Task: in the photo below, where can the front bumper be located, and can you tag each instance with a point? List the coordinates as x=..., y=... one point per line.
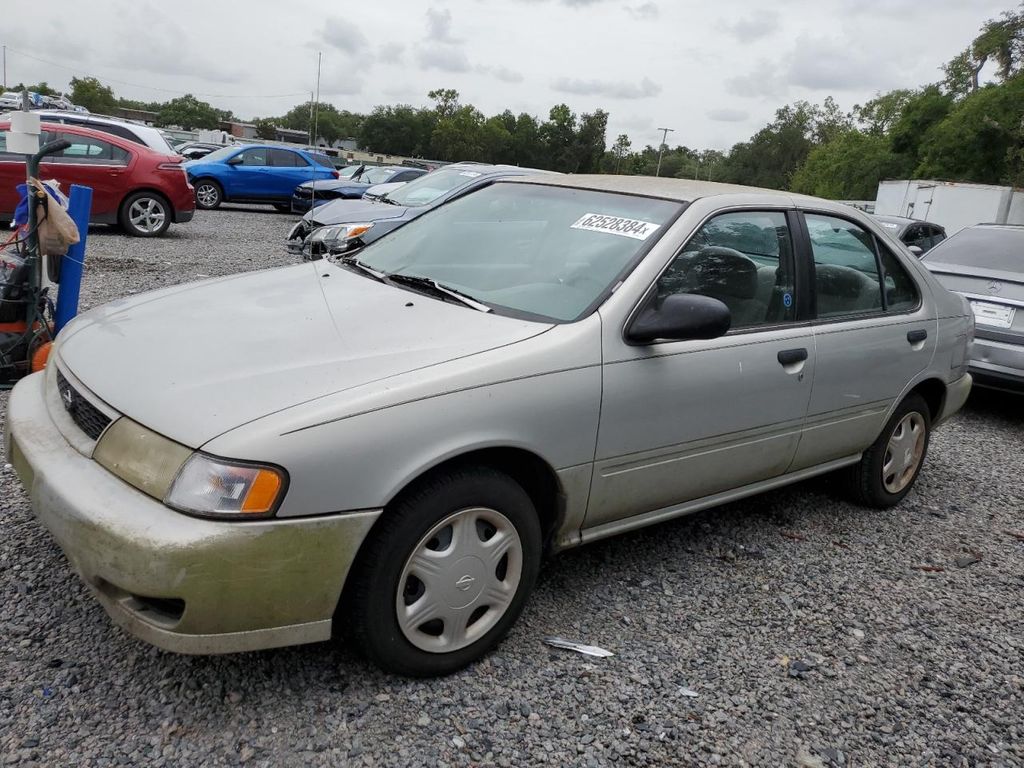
x=181, y=583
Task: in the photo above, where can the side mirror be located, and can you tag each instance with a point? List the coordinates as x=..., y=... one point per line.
x=681, y=316
x=916, y=250
x=236, y=160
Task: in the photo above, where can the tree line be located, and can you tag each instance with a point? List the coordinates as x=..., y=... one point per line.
x=956, y=129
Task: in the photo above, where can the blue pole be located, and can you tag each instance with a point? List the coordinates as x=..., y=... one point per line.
x=79, y=206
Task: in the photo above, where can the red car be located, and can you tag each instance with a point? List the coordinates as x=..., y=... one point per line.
x=132, y=185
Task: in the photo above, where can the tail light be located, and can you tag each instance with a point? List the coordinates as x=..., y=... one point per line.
x=335, y=174
x=170, y=167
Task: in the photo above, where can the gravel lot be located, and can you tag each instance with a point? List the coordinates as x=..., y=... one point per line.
x=789, y=629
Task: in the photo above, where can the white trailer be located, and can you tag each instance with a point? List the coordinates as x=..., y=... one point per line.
x=950, y=204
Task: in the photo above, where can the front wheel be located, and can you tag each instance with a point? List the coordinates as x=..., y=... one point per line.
x=209, y=194
x=145, y=214
x=888, y=469
x=446, y=573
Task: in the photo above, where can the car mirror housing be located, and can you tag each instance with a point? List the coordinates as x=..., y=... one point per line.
x=680, y=317
x=916, y=250
x=236, y=160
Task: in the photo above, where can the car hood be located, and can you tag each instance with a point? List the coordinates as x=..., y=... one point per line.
x=349, y=211
x=194, y=362
x=332, y=184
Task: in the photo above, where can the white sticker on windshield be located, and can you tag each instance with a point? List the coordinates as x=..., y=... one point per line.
x=471, y=174
x=616, y=225
x=889, y=225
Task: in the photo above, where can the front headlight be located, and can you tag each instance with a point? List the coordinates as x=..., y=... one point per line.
x=213, y=487
x=337, y=235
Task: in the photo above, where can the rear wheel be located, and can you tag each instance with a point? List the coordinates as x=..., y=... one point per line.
x=446, y=573
x=209, y=194
x=888, y=469
x=145, y=214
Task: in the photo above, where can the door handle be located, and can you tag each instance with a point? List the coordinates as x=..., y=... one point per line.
x=916, y=337
x=792, y=356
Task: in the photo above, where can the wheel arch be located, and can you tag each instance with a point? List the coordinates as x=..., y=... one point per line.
x=150, y=190
x=933, y=390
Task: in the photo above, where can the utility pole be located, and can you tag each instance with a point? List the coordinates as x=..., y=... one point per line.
x=5, y=67
x=661, y=150
x=316, y=102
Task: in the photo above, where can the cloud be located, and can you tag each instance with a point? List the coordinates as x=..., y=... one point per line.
x=343, y=36
x=504, y=74
x=728, y=115
x=439, y=26
x=819, y=64
x=765, y=82
x=445, y=59
x=646, y=88
x=758, y=25
x=391, y=53
x=644, y=12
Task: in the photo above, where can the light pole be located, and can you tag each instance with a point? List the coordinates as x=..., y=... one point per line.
x=661, y=150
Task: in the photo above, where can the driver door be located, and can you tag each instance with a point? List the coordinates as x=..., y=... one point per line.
x=681, y=420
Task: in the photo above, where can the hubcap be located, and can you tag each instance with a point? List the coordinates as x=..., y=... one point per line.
x=147, y=214
x=903, y=453
x=206, y=194
x=459, y=580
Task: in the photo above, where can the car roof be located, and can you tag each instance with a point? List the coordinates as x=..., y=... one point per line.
x=683, y=190
x=85, y=130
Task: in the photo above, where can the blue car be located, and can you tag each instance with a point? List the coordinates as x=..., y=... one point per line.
x=255, y=173
x=314, y=193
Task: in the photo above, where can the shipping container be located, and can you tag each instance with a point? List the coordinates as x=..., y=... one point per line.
x=952, y=205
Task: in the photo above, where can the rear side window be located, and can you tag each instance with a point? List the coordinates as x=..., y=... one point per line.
x=284, y=158
x=86, y=150
x=846, y=278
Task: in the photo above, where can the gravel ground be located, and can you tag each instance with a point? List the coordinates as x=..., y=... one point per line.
x=788, y=629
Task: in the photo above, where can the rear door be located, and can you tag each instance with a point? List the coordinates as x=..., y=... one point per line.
x=12, y=173
x=287, y=169
x=90, y=162
x=870, y=342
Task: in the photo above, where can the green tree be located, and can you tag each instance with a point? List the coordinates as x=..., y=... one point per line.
x=881, y=113
x=266, y=127
x=925, y=108
x=187, y=112
x=847, y=168
x=620, y=150
x=90, y=93
x=42, y=88
x=458, y=135
x=981, y=139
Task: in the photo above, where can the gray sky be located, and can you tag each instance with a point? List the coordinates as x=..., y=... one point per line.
x=713, y=71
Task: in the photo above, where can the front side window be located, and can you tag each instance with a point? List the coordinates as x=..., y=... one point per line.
x=846, y=279
x=743, y=259
x=540, y=252
x=254, y=157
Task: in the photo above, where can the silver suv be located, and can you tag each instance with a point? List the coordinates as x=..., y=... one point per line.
x=390, y=440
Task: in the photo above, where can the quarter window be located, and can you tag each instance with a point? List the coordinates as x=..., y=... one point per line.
x=900, y=291
x=846, y=278
x=743, y=259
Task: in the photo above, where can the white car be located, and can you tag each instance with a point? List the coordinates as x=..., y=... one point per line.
x=126, y=129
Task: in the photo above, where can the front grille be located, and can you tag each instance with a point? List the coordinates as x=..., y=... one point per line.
x=87, y=416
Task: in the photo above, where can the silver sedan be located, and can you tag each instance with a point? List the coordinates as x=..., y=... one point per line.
x=391, y=440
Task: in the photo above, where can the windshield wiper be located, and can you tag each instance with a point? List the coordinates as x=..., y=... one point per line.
x=415, y=281
x=386, y=199
x=353, y=261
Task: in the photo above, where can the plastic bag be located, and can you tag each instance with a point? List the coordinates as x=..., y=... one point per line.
x=57, y=231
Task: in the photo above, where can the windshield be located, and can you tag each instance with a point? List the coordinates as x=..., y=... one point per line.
x=998, y=248
x=426, y=189
x=220, y=154
x=532, y=251
x=377, y=175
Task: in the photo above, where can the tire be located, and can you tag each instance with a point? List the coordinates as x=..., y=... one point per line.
x=209, y=194
x=465, y=605
x=283, y=207
x=145, y=214
x=886, y=473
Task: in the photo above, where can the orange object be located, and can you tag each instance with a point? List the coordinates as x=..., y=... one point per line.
x=263, y=492
x=40, y=356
